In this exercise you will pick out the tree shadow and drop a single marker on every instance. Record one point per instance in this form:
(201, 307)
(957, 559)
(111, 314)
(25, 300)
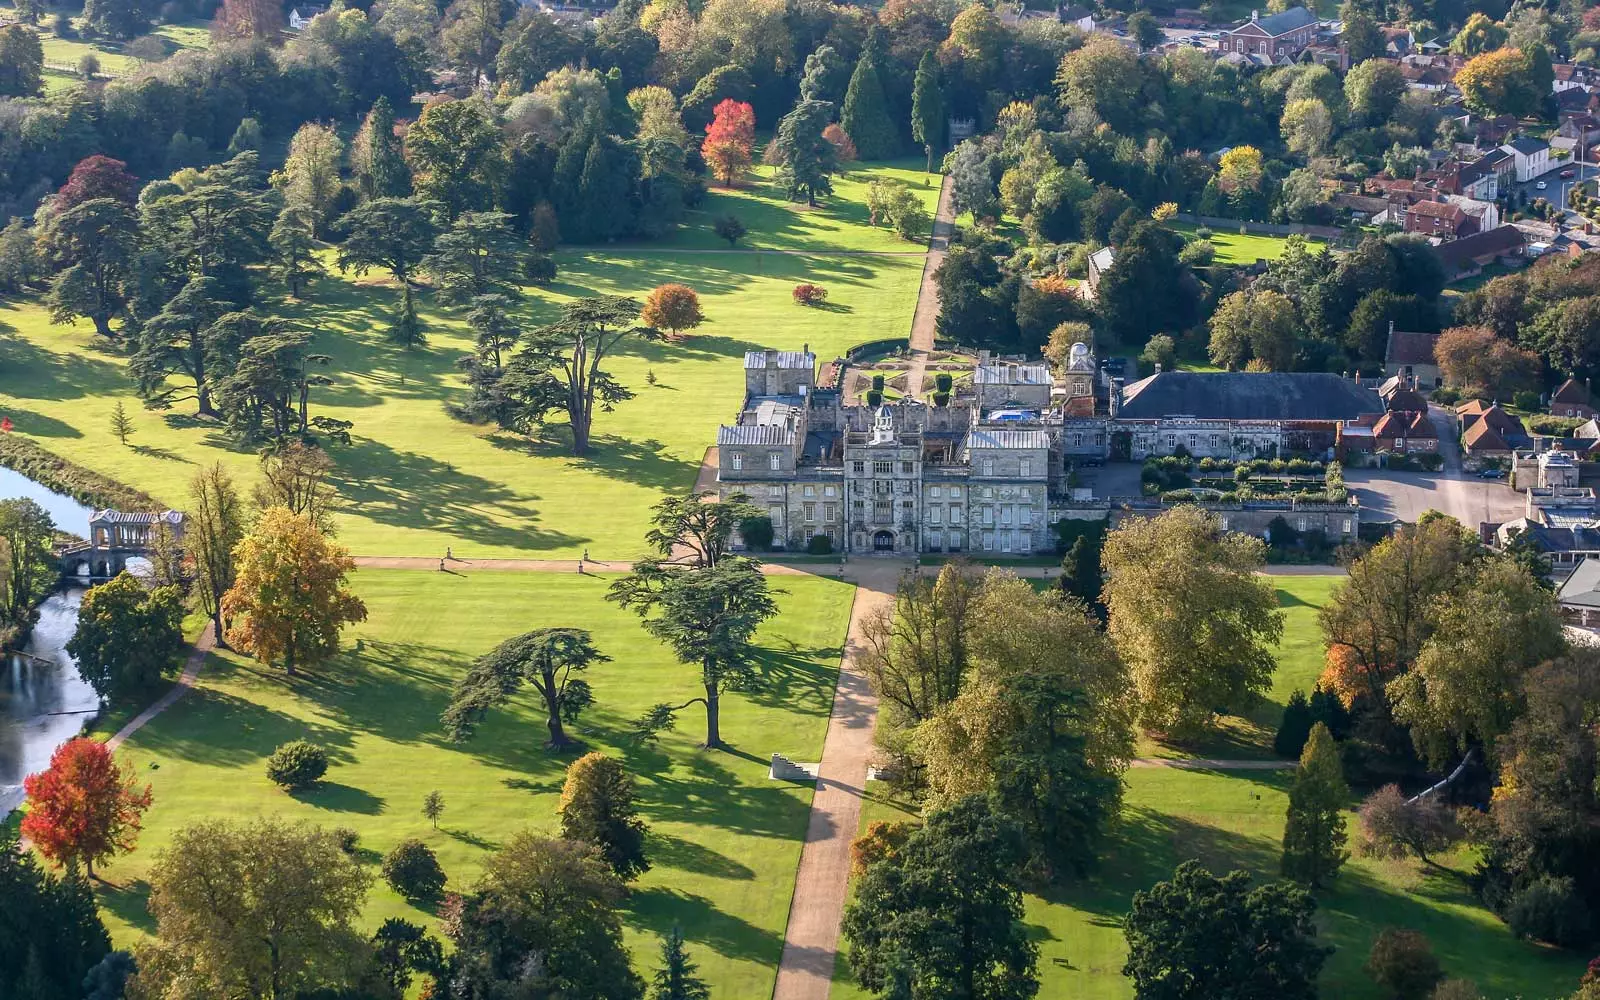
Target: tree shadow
(685, 855)
(336, 797)
(471, 839)
(659, 909)
(128, 902)
(166, 454)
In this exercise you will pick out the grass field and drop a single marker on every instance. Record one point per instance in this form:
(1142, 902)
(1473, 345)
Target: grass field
(1234, 819)
(417, 480)
(113, 60)
(774, 223)
(1241, 248)
(724, 839)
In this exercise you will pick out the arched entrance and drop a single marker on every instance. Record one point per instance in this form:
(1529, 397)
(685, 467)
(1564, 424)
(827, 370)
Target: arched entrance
(883, 541)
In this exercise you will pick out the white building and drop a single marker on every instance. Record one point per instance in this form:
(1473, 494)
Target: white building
(1532, 157)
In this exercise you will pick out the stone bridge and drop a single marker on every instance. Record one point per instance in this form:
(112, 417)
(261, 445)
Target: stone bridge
(115, 537)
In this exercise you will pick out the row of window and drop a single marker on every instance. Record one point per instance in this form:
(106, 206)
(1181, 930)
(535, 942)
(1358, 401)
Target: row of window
(774, 461)
(808, 512)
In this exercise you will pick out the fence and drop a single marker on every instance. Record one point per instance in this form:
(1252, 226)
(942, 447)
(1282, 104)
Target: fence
(71, 70)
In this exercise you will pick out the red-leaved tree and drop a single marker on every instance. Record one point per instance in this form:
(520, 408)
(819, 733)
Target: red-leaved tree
(97, 177)
(729, 139)
(84, 808)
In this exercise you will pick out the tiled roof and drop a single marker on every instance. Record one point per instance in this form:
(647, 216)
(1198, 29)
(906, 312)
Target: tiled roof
(1438, 210)
(1283, 22)
(786, 359)
(1482, 437)
(983, 438)
(1248, 396)
(1411, 347)
(768, 434)
(1571, 391)
(1500, 240)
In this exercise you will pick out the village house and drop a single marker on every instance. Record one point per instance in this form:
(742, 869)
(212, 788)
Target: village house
(1438, 218)
(1409, 356)
(1532, 156)
(300, 17)
(1572, 399)
(1275, 39)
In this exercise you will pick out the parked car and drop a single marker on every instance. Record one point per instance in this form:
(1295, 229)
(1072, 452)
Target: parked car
(1541, 185)
(1568, 174)
(1492, 474)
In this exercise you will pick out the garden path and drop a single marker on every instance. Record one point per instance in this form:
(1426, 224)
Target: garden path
(924, 320)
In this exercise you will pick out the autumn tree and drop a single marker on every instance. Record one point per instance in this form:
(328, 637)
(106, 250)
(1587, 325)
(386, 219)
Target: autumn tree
(560, 367)
(126, 635)
(1189, 616)
(729, 138)
(552, 660)
(93, 177)
(597, 808)
(310, 177)
(1499, 83)
(83, 808)
(249, 20)
(1479, 363)
(1314, 832)
(261, 908)
(394, 234)
(289, 599)
(709, 617)
(672, 307)
(843, 146)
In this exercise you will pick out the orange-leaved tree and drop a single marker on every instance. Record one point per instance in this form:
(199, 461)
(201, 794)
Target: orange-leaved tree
(289, 597)
(729, 139)
(672, 307)
(84, 808)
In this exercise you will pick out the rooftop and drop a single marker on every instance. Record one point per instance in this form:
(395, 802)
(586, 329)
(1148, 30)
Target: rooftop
(1282, 23)
(109, 516)
(782, 359)
(1248, 396)
(983, 438)
(758, 434)
(1001, 373)
(1527, 145)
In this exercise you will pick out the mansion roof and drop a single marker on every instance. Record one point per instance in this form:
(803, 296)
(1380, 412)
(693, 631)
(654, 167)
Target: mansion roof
(1248, 396)
(759, 434)
(1281, 23)
(785, 359)
(1011, 374)
(985, 438)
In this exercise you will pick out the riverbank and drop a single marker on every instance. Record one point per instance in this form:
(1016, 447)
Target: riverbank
(61, 475)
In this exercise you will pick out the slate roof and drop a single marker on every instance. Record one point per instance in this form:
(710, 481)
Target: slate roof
(1248, 396)
(1583, 586)
(768, 434)
(986, 438)
(1284, 22)
(1009, 374)
(1456, 254)
(1527, 145)
(1411, 347)
(1571, 391)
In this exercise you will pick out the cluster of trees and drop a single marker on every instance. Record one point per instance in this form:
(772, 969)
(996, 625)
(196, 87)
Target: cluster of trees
(1547, 315)
(28, 569)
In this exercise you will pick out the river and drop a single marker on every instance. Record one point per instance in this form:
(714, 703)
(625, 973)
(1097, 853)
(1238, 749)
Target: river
(43, 701)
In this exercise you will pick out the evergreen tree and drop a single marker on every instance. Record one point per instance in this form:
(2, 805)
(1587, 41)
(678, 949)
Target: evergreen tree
(121, 425)
(866, 114)
(20, 263)
(50, 933)
(927, 109)
(1313, 837)
(823, 75)
(676, 979)
(809, 160)
(294, 257)
(376, 158)
(597, 808)
(1294, 729)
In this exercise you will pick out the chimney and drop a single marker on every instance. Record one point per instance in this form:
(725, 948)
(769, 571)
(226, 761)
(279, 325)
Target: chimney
(1255, 15)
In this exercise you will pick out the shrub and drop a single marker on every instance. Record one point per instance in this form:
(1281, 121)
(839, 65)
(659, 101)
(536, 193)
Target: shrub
(297, 764)
(877, 383)
(757, 532)
(941, 399)
(874, 398)
(1295, 728)
(1445, 396)
(539, 268)
(61, 24)
(944, 381)
(1525, 400)
(412, 870)
(808, 294)
(820, 545)
(731, 229)
(1202, 233)
(1544, 423)
(1550, 910)
(347, 839)
(1403, 963)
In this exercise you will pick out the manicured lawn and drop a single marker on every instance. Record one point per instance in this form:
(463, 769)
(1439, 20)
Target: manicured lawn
(775, 223)
(416, 479)
(1235, 820)
(1234, 247)
(725, 840)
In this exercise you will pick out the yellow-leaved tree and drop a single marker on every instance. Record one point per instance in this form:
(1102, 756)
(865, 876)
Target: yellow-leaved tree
(289, 599)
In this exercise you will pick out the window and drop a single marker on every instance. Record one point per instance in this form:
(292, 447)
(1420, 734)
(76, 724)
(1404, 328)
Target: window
(955, 541)
(1302, 525)
(988, 515)
(955, 493)
(935, 515)
(955, 514)
(988, 541)
(935, 492)
(1027, 468)
(859, 468)
(1005, 515)
(988, 492)
(775, 460)
(907, 506)
(774, 513)
(810, 491)
(882, 510)
(1347, 526)
(1194, 441)
(988, 466)
(882, 468)
(908, 467)
(775, 491)
(736, 460)
(828, 491)
(1025, 542)
(859, 504)
(1224, 522)
(830, 511)
(811, 511)
(1077, 439)
(811, 533)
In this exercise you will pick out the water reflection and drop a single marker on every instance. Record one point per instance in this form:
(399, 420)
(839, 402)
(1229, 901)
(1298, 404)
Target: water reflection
(43, 701)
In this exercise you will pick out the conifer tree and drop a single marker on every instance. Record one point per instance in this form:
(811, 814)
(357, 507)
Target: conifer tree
(121, 424)
(866, 115)
(927, 109)
(809, 160)
(676, 979)
(597, 808)
(1313, 837)
(294, 257)
(376, 158)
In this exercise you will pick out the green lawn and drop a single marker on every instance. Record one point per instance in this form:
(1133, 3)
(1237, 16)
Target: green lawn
(775, 223)
(417, 480)
(1234, 247)
(724, 839)
(174, 37)
(1233, 819)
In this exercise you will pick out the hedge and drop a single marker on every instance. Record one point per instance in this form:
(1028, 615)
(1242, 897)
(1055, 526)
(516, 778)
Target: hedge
(86, 486)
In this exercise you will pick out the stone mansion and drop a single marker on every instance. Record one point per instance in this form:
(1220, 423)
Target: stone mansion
(988, 471)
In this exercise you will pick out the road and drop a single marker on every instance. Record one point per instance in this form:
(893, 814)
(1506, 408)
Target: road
(1406, 496)
(1556, 189)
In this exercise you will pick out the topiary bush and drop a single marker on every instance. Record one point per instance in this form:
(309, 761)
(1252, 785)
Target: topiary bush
(943, 381)
(412, 870)
(874, 398)
(877, 383)
(820, 545)
(757, 532)
(1550, 910)
(941, 399)
(297, 765)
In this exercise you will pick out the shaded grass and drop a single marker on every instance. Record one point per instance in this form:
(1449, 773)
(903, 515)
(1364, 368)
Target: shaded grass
(416, 480)
(1234, 247)
(724, 839)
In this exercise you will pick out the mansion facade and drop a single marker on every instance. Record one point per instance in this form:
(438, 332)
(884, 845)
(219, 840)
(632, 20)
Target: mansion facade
(988, 472)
